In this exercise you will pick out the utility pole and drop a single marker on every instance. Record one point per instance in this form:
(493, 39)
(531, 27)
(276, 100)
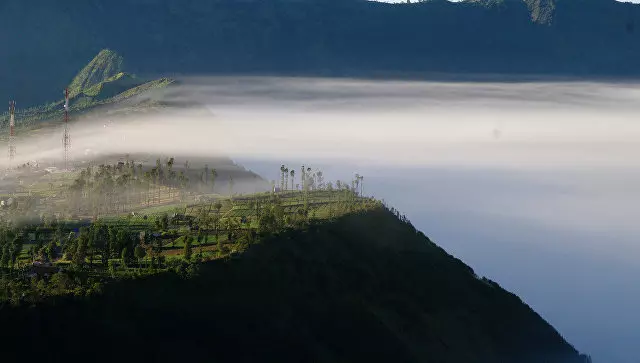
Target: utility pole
(12, 135)
(66, 139)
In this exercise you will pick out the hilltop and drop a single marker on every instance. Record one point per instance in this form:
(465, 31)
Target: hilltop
(106, 67)
(541, 38)
(364, 286)
(102, 82)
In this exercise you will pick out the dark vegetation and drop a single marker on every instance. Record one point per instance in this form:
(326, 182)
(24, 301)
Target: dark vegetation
(45, 43)
(363, 287)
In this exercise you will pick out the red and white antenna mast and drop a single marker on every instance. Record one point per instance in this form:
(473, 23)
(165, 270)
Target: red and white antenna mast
(66, 139)
(12, 132)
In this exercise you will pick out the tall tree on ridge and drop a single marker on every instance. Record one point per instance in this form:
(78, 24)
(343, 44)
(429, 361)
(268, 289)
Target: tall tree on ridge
(293, 174)
(170, 173)
(214, 174)
(286, 178)
(281, 177)
(231, 187)
(320, 179)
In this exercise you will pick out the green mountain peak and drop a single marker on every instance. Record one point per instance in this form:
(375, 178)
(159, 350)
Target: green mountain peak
(104, 67)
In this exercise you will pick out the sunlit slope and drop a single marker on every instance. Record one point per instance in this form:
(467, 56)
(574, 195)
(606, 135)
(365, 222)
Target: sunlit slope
(365, 287)
(101, 82)
(105, 67)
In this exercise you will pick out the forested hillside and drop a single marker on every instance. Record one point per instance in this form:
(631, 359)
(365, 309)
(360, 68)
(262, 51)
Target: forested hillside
(365, 287)
(45, 43)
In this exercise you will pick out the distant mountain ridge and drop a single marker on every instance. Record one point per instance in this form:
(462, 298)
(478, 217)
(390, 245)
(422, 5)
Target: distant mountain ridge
(582, 38)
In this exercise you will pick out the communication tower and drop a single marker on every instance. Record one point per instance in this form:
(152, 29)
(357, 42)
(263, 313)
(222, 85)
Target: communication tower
(12, 134)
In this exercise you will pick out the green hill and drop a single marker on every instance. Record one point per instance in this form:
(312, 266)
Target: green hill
(366, 287)
(101, 82)
(105, 67)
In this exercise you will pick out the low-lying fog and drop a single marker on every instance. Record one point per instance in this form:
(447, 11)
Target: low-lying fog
(535, 185)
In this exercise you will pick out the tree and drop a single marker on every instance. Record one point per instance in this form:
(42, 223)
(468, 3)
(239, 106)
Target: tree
(15, 249)
(147, 179)
(293, 174)
(231, 186)
(216, 221)
(6, 256)
(282, 177)
(214, 174)
(124, 256)
(187, 247)
(139, 253)
(170, 173)
(81, 250)
(162, 222)
(286, 178)
(320, 177)
(159, 178)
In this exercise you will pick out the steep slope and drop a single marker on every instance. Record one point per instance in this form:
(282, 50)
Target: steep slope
(362, 288)
(104, 67)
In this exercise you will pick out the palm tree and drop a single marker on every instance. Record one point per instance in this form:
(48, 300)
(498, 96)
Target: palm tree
(281, 177)
(357, 182)
(214, 174)
(170, 163)
(216, 221)
(286, 178)
(293, 174)
(361, 191)
(320, 180)
(147, 179)
(182, 180)
(231, 186)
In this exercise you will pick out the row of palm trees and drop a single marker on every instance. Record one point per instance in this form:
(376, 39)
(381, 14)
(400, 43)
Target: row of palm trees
(312, 180)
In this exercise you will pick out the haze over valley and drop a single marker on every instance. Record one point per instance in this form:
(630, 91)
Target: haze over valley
(529, 183)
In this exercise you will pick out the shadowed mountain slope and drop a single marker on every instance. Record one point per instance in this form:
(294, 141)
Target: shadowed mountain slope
(365, 287)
